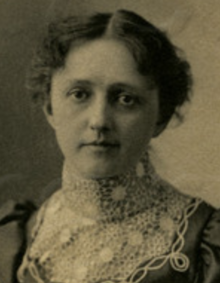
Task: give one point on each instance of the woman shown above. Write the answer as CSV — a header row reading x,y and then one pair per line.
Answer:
x,y
108,84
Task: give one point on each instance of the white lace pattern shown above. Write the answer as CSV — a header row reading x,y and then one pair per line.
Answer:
x,y
112,230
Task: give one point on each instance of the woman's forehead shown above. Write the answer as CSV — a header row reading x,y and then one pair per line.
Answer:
x,y
107,60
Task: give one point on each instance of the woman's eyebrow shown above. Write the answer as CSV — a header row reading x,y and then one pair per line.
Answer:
x,y
125,86
132,87
79,82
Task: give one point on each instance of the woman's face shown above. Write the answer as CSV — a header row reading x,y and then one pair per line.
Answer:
x,y
104,111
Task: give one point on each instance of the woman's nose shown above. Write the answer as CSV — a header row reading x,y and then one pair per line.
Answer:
x,y
100,118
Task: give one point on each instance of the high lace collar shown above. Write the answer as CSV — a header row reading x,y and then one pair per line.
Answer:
x,y
113,198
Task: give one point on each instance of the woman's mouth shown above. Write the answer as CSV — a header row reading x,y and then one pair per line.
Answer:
x,y
102,145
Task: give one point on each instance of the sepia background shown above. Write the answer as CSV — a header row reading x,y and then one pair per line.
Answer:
x,y
187,155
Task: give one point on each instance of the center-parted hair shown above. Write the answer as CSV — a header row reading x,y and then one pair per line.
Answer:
x,y
155,55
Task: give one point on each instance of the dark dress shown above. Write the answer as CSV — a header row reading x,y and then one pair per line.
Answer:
x,y
202,247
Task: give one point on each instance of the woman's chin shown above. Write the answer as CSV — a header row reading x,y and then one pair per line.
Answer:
x,y
87,166
97,171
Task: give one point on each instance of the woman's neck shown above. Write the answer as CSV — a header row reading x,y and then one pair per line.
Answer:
x,y
113,198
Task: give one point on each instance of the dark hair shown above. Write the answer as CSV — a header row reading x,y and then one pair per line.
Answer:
x,y
155,55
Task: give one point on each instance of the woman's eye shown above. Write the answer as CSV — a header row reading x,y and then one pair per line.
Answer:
x,y
126,99
79,94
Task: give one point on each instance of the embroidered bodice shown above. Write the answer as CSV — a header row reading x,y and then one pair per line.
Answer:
x,y
109,230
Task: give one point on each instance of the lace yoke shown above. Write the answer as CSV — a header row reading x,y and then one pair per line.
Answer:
x,y
111,230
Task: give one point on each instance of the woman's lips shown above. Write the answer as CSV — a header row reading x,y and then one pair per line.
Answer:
x,y
103,145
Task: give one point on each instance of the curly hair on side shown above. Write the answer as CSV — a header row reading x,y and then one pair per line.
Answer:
x,y
154,53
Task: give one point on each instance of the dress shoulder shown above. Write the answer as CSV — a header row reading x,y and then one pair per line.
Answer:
x,y
13,219
210,250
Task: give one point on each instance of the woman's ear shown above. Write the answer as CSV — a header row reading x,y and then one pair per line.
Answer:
x,y
47,109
